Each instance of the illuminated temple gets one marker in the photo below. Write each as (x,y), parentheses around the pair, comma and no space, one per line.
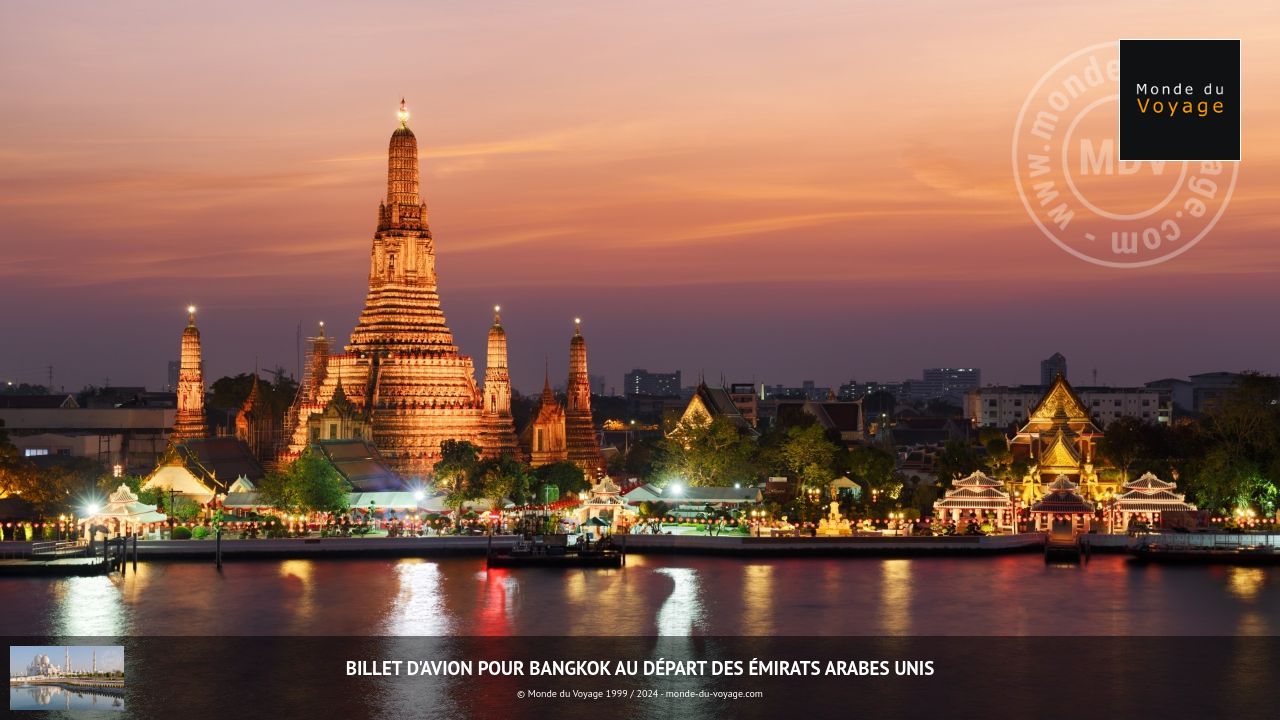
(1059,439)
(401,373)
(190,422)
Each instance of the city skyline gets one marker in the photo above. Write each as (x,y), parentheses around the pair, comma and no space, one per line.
(775,215)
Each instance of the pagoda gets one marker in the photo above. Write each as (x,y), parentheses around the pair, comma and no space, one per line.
(190,422)
(1059,439)
(401,370)
(258,425)
(580,431)
(498,433)
(546,433)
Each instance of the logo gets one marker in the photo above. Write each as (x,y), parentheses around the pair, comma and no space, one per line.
(1083,197)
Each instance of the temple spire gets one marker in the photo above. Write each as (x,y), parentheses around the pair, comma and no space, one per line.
(403,200)
(190,420)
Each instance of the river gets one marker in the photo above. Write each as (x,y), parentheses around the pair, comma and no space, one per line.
(653,595)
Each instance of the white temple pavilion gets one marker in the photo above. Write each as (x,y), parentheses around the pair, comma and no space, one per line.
(1062,505)
(975,496)
(124,514)
(1145,499)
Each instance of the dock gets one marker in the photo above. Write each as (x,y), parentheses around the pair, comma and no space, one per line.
(64,559)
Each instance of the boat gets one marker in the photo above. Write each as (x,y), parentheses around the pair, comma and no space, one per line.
(557,551)
(1226,549)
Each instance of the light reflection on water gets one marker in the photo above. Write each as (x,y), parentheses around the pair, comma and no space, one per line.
(53,698)
(418,609)
(683,596)
(895,597)
(681,612)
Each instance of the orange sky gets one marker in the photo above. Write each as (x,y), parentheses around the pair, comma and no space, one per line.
(775,190)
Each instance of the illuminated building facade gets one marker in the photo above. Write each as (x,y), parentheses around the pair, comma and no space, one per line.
(1059,440)
(580,432)
(258,426)
(498,435)
(545,436)
(190,423)
(401,371)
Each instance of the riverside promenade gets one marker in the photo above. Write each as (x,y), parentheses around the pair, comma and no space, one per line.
(730,545)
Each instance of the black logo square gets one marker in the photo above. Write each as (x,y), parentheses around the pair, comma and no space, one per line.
(1179,100)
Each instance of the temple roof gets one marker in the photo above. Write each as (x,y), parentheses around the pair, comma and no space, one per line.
(978,479)
(360,465)
(1061,452)
(216,461)
(1061,398)
(1061,497)
(1064,503)
(549,408)
(1062,483)
(716,402)
(1149,482)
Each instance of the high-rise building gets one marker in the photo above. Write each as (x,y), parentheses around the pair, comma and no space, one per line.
(948,383)
(175,366)
(654,384)
(1051,367)
(599,385)
(190,421)
(808,390)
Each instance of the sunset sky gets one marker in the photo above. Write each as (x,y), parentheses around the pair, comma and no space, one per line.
(774,191)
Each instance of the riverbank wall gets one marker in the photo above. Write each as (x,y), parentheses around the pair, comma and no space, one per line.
(727,546)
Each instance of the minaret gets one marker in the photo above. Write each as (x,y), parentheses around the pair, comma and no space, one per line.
(499,433)
(190,423)
(580,432)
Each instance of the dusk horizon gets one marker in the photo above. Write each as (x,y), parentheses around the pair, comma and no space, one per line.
(747,203)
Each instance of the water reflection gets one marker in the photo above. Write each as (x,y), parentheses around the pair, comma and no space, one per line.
(497,603)
(56,697)
(682,611)
(418,609)
(1246,582)
(89,606)
(652,595)
(895,597)
(757,599)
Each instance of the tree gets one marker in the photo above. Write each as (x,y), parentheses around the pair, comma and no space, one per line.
(705,452)
(873,467)
(457,473)
(1241,449)
(809,455)
(567,477)
(957,459)
(504,477)
(1123,443)
(52,489)
(308,484)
